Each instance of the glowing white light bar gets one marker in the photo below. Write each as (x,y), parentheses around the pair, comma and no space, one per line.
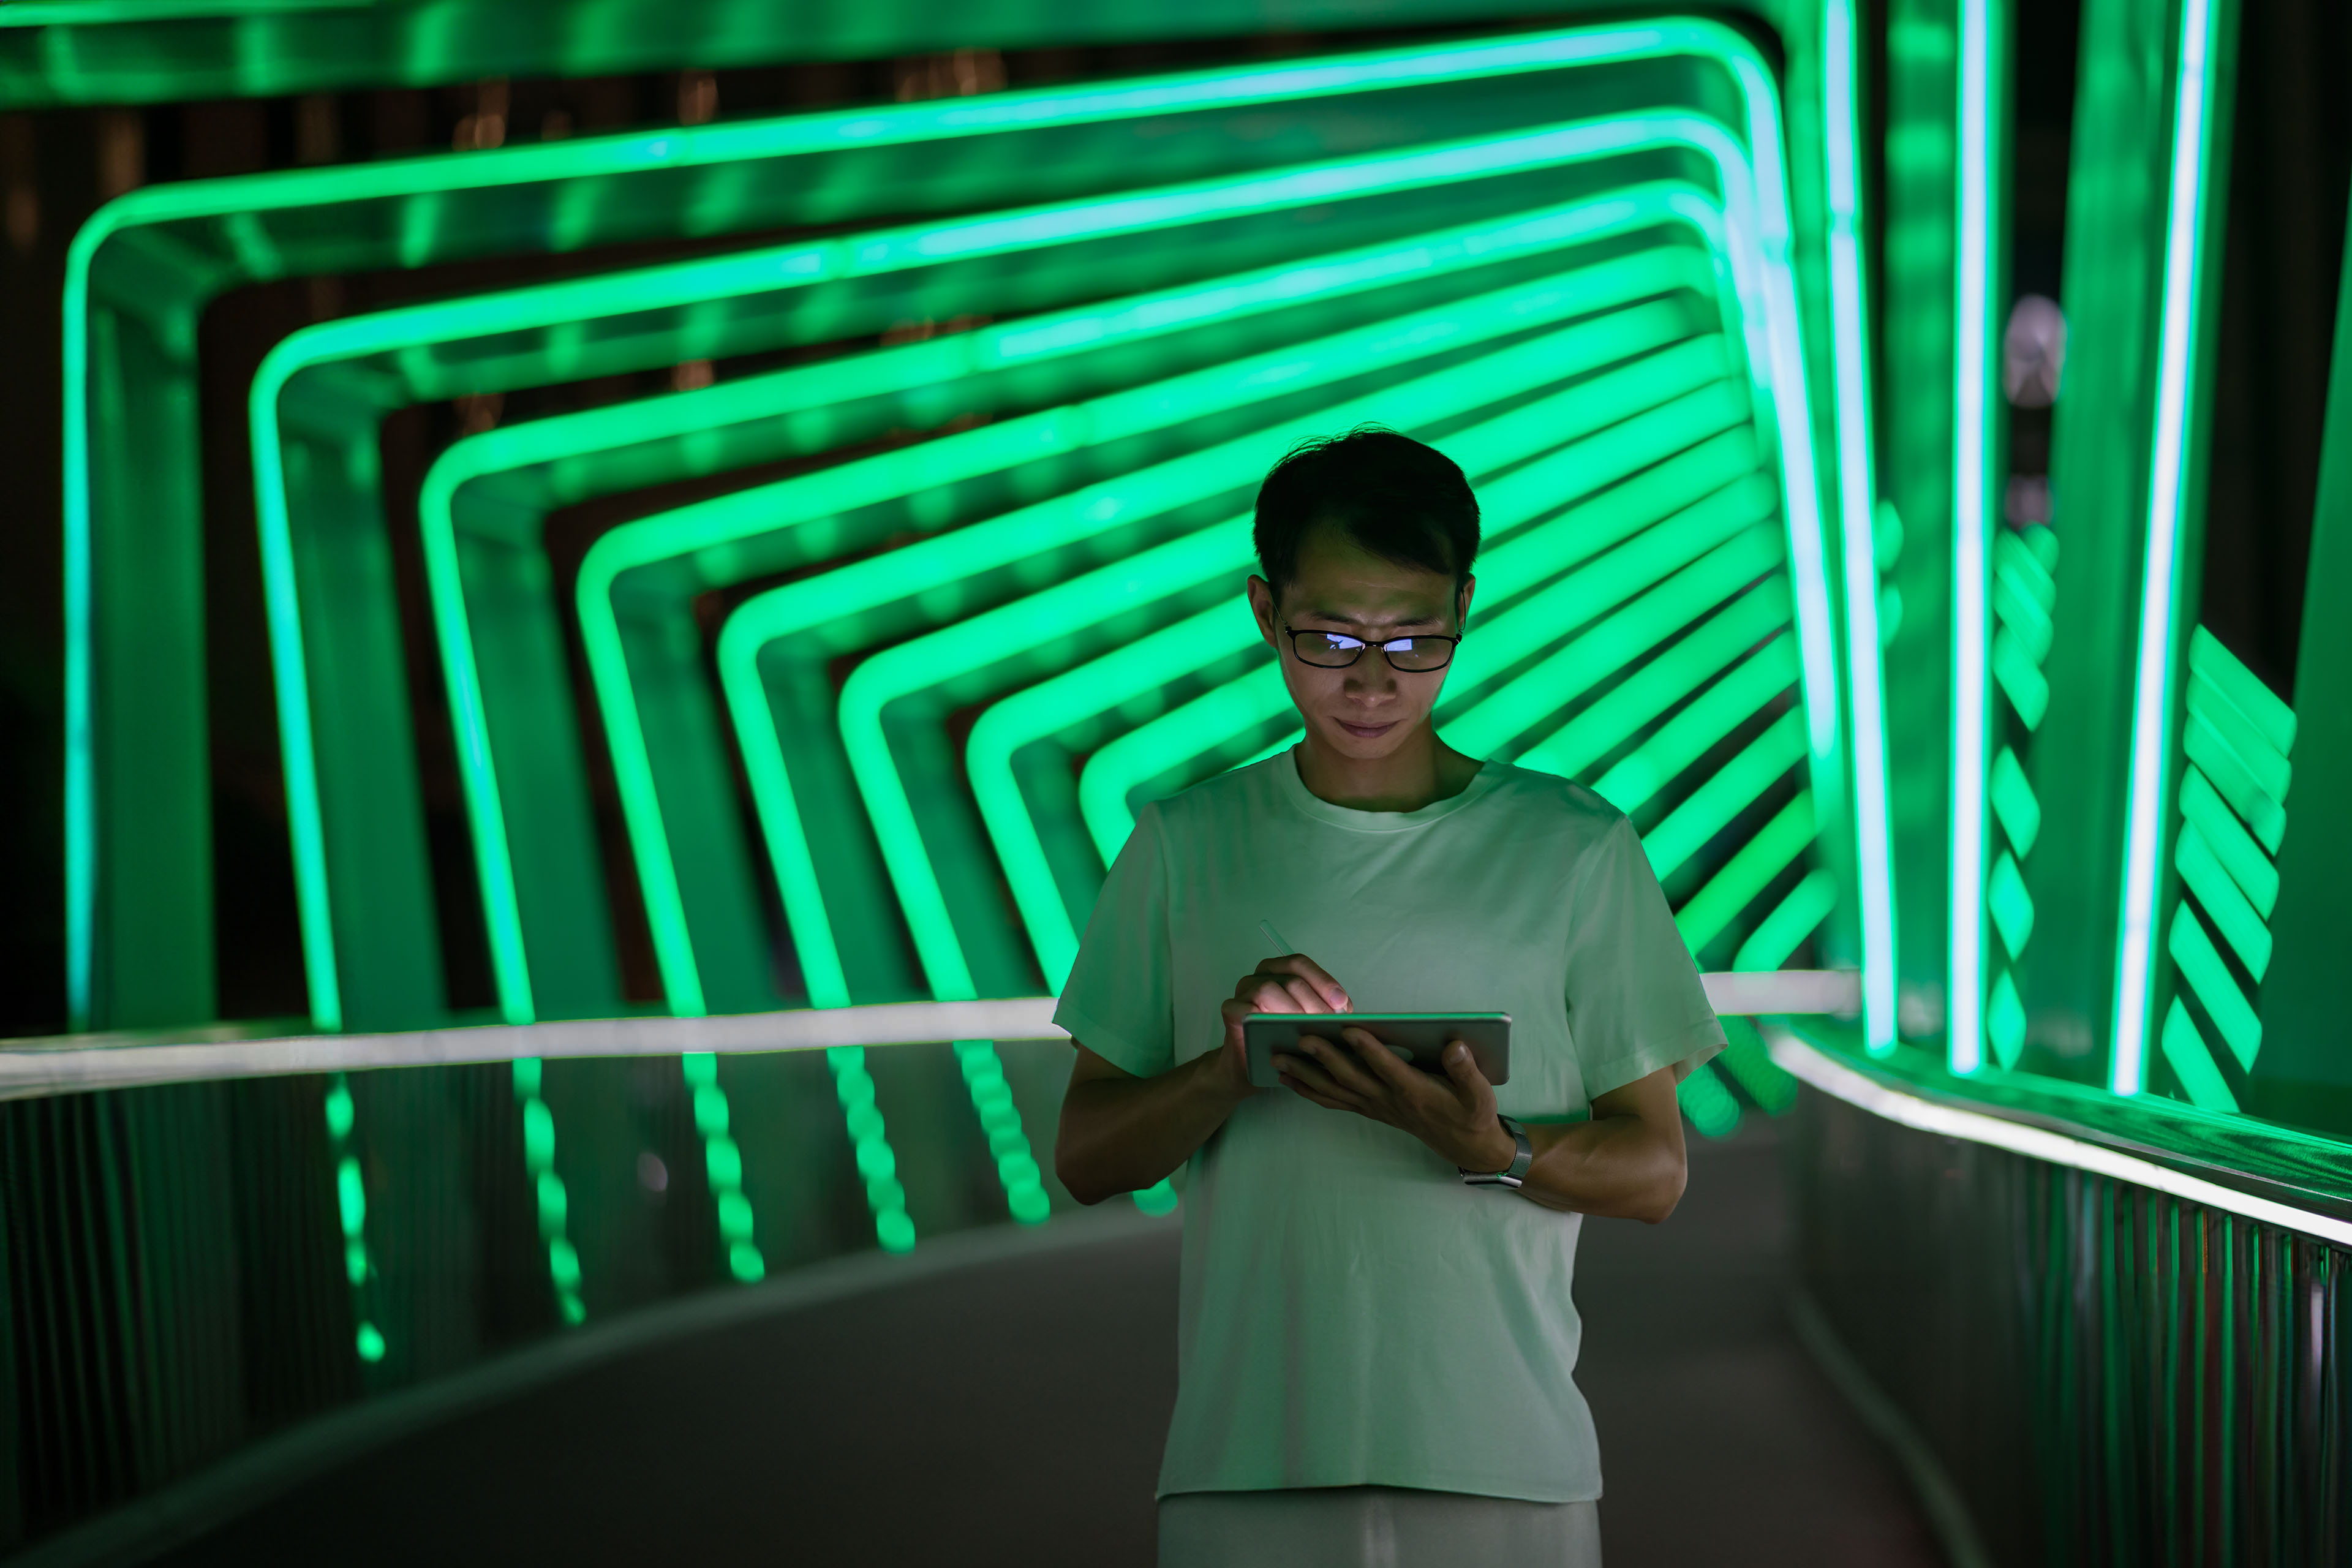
(1975,349)
(1834,1078)
(65,1065)
(2159,582)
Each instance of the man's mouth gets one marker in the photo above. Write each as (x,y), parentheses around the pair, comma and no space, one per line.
(1366,731)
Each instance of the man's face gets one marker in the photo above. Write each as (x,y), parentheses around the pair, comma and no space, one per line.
(1367,711)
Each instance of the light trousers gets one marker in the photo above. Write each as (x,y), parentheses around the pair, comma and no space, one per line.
(1374,1527)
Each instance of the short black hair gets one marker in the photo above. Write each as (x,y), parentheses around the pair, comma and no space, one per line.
(1390,495)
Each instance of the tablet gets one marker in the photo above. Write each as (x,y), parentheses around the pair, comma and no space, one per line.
(1418,1037)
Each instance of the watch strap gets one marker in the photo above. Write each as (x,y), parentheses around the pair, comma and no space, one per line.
(1523,1155)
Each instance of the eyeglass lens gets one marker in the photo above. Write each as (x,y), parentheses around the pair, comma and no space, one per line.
(1332,650)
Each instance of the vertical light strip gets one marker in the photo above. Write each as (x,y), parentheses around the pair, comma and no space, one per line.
(2159,584)
(546,1190)
(351,1211)
(1974,347)
(1857,495)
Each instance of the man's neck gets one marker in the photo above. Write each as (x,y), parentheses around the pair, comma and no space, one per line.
(1422,770)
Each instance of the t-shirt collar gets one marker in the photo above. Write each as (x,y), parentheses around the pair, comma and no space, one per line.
(1293,789)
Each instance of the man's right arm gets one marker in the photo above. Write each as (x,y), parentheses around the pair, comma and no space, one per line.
(1121,1133)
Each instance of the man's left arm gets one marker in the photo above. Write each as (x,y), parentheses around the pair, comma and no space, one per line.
(1627,1162)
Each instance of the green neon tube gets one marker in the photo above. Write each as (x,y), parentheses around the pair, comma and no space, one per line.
(2013,801)
(2229,842)
(1710,807)
(2185,284)
(2184,1047)
(1776,847)
(2209,977)
(1005,727)
(824,496)
(1646,694)
(1976,451)
(589,450)
(2228,908)
(1090,598)
(1794,919)
(1857,497)
(595,163)
(1254,700)
(1672,547)
(1689,735)
(1014,628)
(1196,476)
(798,266)
(1766,287)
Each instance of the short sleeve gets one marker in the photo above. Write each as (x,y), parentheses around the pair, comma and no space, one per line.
(1118,1001)
(1634,1001)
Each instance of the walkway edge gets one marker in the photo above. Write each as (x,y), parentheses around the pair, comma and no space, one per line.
(1939,1499)
(208,1499)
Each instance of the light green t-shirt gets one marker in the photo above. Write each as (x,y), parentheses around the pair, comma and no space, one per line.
(1349,1312)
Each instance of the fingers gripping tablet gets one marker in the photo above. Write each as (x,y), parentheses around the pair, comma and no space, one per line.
(1419,1037)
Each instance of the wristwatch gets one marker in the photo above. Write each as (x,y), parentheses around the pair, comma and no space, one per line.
(1513,1174)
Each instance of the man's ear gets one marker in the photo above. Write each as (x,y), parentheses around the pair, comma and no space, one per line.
(1261,598)
(1461,604)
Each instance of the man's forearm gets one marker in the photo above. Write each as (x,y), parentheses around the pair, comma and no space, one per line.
(1122,1134)
(1620,1166)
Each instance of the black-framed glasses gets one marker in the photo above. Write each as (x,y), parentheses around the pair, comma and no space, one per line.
(1416,655)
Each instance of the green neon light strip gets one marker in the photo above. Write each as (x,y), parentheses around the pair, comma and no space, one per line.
(1642,698)
(786,392)
(606,159)
(823,496)
(799,265)
(2153,676)
(2184,1047)
(722,1159)
(548,1190)
(2226,839)
(1709,1105)
(1005,727)
(1196,476)
(877,1166)
(1794,919)
(1710,808)
(1857,496)
(1691,733)
(1254,700)
(2242,690)
(1113,773)
(351,1211)
(2013,801)
(1820,1068)
(1975,486)
(1776,846)
(2209,977)
(1726,568)
(2210,751)
(2229,908)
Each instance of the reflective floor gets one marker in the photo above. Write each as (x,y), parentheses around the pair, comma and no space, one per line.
(983,1408)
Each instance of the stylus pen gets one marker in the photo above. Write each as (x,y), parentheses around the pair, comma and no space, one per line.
(1274,936)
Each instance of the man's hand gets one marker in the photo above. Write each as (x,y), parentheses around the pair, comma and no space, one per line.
(1454,1115)
(1291,984)
(1119,1133)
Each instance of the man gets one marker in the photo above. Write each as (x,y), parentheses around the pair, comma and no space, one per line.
(1375,1334)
